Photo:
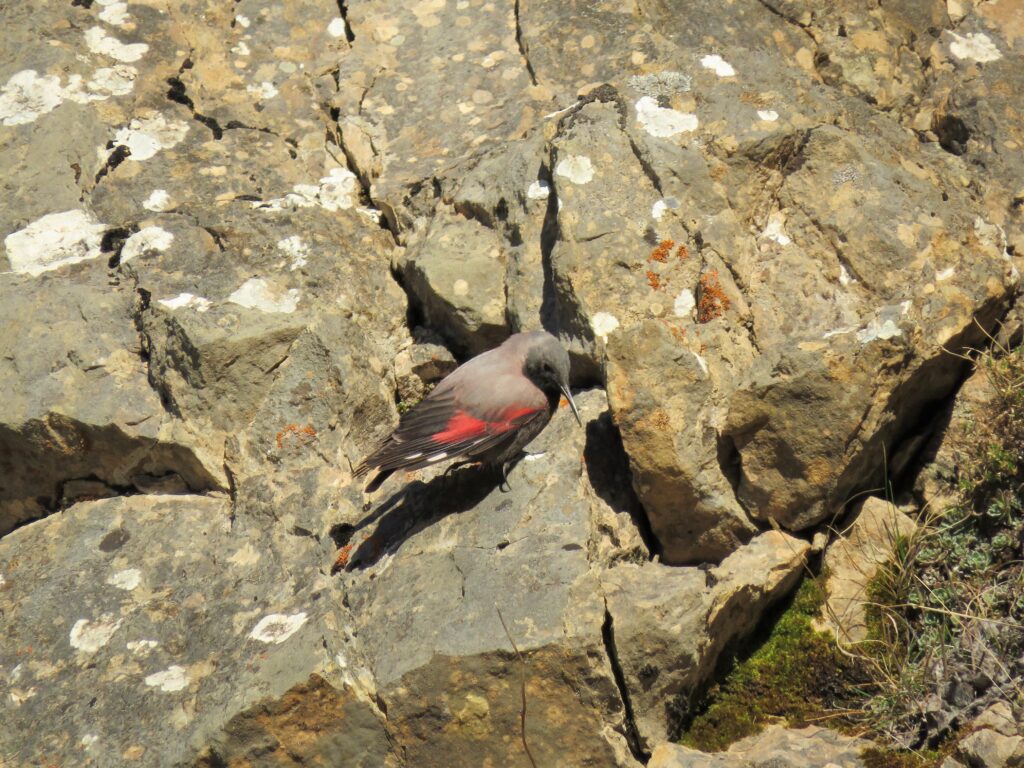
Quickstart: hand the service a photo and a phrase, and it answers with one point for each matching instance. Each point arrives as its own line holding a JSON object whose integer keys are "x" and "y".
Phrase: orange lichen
{"x": 295, "y": 436}
{"x": 682, "y": 253}
{"x": 653, "y": 280}
{"x": 712, "y": 302}
{"x": 678, "y": 333}
{"x": 661, "y": 252}
{"x": 341, "y": 561}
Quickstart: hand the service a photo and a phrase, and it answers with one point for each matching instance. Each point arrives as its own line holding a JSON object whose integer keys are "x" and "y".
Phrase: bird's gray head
{"x": 547, "y": 365}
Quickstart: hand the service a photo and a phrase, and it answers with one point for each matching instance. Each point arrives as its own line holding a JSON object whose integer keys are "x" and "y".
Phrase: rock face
{"x": 239, "y": 237}
{"x": 808, "y": 747}
{"x": 866, "y": 541}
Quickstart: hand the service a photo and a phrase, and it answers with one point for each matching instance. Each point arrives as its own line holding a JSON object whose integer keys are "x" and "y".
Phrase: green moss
{"x": 794, "y": 673}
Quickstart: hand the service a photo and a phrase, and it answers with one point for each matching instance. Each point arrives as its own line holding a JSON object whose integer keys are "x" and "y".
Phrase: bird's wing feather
{"x": 444, "y": 425}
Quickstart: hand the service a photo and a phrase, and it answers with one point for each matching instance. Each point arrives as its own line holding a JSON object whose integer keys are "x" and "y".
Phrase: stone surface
{"x": 986, "y": 748}
{"x": 865, "y": 542}
{"x": 671, "y": 624}
{"x": 776, "y": 746}
{"x": 223, "y": 224}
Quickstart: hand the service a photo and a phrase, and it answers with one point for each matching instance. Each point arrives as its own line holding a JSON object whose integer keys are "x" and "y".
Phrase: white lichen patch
{"x": 127, "y": 579}
{"x": 538, "y": 190}
{"x": 141, "y": 647}
{"x": 603, "y": 323}
{"x": 337, "y": 191}
{"x": 186, "y": 301}
{"x": 664, "y": 83}
{"x": 145, "y": 242}
{"x": 660, "y": 206}
{"x": 684, "y": 303}
{"x": 113, "y": 12}
{"x": 255, "y": 293}
{"x": 701, "y": 362}
{"x": 158, "y": 201}
{"x": 262, "y": 91}
{"x": 101, "y": 43}
{"x": 337, "y": 27}
{"x": 884, "y": 325}
{"x": 576, "y": 168}
{"x": 90, "y": 636}
{"x": 663, "y": 122}
{"x": 974, "y": 46}
{"x": 718, "y": 65}
{"x": 88, "y": 740}
{"x": 945, "y": 274}
{"x": 770, "y": 115}
{"x": 276, "y": 628}
{"x": 54, "y": 240}
{"x": 775, "y": 230}
{"x": 845, "y": 278}
{"x": 144, "y": 137}
{"x": 172, "y": 679}
{"x": 28, "y": 95}
{"x": 296, "y": 249}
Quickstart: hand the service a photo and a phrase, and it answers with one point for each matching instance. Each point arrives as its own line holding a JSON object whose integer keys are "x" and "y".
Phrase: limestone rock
{"x": 987, "y": 748}
{"x": 236, "y": 655}
{"x": 866, "y": 542}
{"x": 809, "y": 747}
{"x": 671, "y": 624}
{"x": 455, "y": 271}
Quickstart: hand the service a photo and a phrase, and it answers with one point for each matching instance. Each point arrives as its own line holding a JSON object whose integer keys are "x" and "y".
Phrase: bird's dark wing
{"x": 441, "y": 427}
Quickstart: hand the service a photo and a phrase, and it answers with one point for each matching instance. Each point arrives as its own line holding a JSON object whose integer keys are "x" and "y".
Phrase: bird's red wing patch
{"x": 462, "y": 426}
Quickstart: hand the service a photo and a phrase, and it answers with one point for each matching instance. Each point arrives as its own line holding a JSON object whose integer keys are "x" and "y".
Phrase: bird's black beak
{"x": 568, "y": 396}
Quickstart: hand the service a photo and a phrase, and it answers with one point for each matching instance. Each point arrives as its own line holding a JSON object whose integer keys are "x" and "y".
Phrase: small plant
{"x": 947, "y": 609}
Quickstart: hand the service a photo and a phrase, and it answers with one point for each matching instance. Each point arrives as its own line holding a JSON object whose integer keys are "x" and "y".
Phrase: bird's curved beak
{"x": 575, "y": 410}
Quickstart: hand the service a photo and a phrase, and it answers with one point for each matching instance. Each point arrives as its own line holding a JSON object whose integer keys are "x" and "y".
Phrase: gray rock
{"x": 776, "y": 746}
{"x": 866, "y": 541}
{"x": 987, "y": 748}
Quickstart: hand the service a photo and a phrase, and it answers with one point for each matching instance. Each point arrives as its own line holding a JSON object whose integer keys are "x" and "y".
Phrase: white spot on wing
{"x": 90, "y": 636}
{"x": 412, "y": 456}
{"x": 276, "y": 628}
{"x": 53, "y": 241}
{"x": 172, "y": 679}
{"x": 437, "y": 457}
{"x": 661, "y": 121}
{"x": 718, "y": 65}
{"x": 576, "y": 168}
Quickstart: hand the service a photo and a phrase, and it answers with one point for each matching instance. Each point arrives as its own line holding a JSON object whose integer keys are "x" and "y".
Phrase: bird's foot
{"x": 505, "y": 468}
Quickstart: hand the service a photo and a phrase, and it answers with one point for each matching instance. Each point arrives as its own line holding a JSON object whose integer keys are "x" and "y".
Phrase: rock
{"x": 455, "y": 273}
{"x": 179, "y": 617}
{"x": 428, "y": 577}
{"x": 671, "y": 624}
{"x": 809, "y": 747}
{"x": 998, "y": 717}
{"x": 80, "y": 409}
{"x": 987, "y": 748}
{"x": 419, "y": 368}
{"x": 865, "y": 543}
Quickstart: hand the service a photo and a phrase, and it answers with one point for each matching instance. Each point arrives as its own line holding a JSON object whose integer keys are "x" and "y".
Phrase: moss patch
{"x": 794, "y": 674}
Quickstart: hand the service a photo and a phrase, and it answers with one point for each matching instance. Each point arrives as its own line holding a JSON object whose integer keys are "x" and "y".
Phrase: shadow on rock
{"x": 608, "y": 472}
{"x": 413, "y": 508}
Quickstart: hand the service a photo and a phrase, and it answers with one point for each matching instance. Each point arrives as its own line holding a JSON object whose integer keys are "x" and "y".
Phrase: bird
{"x": 486, "y": 410}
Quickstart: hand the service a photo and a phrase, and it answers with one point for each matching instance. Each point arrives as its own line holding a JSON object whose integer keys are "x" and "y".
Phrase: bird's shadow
{"x": 411, "y": 509}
